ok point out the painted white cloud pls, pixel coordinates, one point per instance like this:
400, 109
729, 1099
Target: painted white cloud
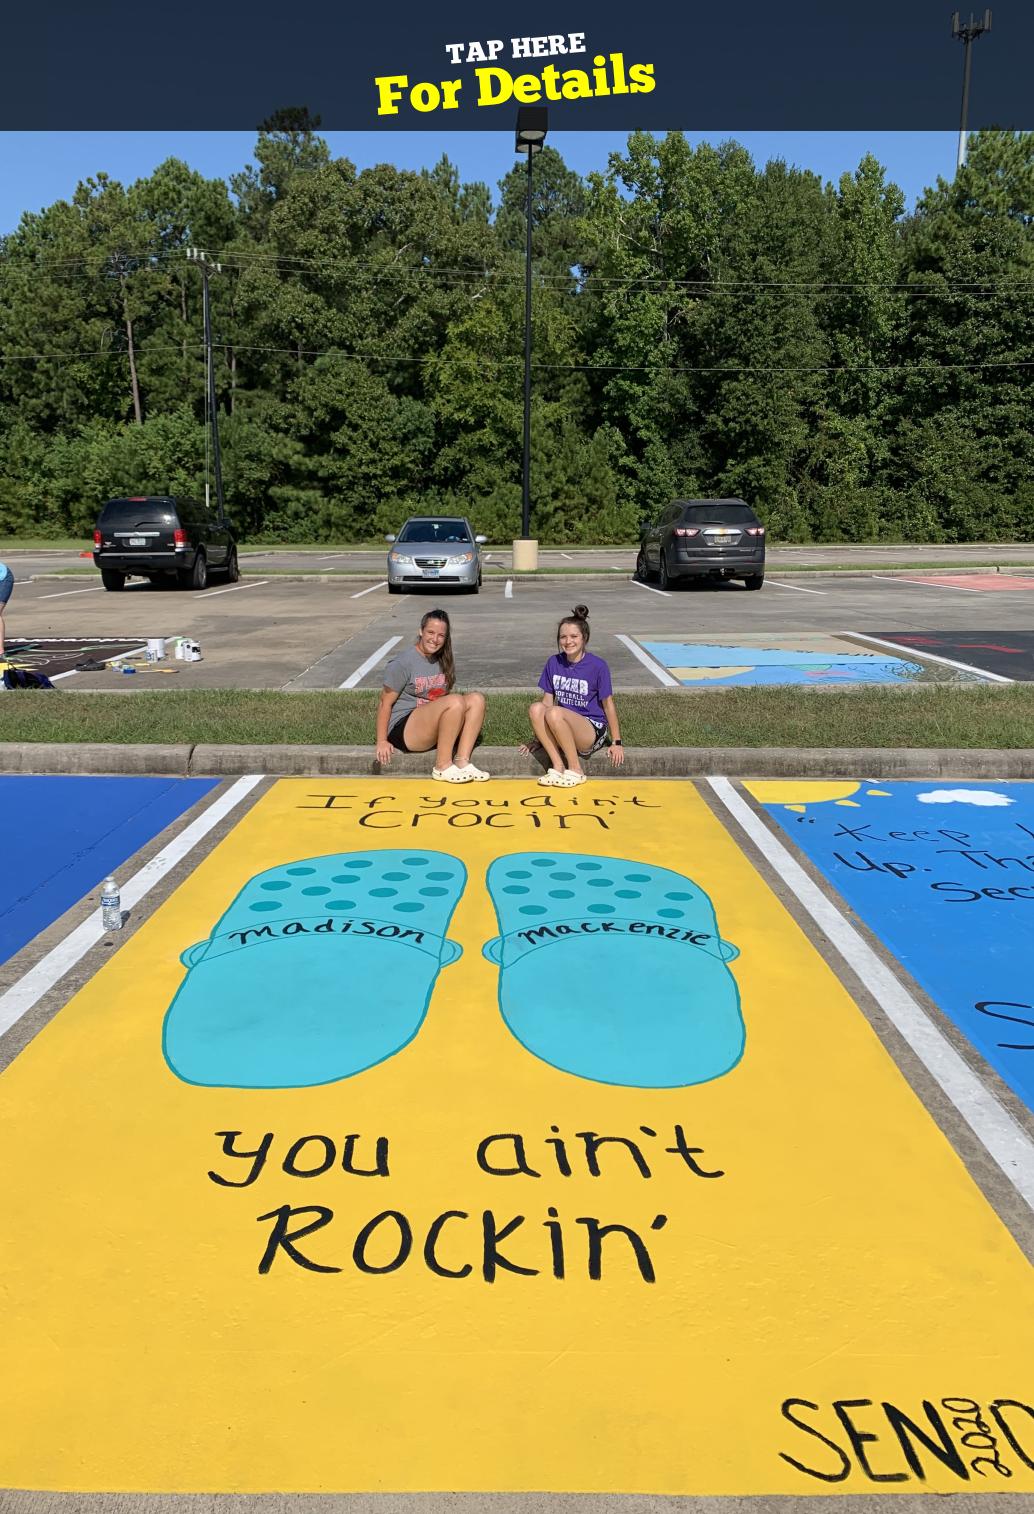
986, 798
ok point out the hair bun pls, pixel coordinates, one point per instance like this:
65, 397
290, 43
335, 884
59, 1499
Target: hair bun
581, 612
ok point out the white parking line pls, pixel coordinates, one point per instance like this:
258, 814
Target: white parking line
661, 674
797, 587
371, 662
115, 656
31, 987
369, 590
885, 578
924, 656
508, 591
640, 585
567, 555
214, 593
66, 592
1006, 1141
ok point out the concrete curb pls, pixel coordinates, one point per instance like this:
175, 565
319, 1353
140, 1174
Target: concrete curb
506, 762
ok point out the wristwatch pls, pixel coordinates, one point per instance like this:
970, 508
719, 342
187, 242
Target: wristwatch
617, 742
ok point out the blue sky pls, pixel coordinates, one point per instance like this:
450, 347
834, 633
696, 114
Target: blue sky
37, 168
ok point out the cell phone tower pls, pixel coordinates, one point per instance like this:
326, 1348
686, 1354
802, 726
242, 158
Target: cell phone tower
967, 32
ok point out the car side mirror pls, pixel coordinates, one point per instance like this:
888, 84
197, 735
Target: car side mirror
389, 538
481, 540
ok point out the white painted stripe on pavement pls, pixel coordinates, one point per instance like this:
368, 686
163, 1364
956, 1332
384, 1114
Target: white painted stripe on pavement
796, 587
31, 987
1006, 1141
115, 657
508, 591
915, 583
649, 588
369, 590
567, 555
925, 656
371, 662
64, 594
661, 674
214, 593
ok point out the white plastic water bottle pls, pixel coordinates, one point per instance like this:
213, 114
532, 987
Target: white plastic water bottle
111, 905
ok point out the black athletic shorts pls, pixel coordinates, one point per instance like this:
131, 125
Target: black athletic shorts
397, 734
600, 739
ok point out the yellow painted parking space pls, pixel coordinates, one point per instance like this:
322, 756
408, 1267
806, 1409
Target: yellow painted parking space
626, 1197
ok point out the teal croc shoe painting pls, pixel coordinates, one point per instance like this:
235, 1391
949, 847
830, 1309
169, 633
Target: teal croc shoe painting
614, 970
319, 969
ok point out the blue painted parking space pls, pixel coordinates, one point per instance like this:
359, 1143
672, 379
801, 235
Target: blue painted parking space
62, 836
943, 874
774, 659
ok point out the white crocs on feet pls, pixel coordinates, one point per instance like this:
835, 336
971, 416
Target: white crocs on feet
475, 775
451, 774
569, 779
551, 778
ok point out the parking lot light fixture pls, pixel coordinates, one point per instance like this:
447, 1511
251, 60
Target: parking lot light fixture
532, 125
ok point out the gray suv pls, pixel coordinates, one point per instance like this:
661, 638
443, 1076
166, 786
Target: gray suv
438, 549
703, 538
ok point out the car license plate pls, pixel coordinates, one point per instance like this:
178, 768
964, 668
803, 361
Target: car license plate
138, 541
431, 572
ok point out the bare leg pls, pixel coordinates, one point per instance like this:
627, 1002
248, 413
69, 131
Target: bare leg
539, 714
571, 733
473, 720
437, 724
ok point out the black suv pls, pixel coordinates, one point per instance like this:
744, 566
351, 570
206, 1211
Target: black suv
703, 538
157, 535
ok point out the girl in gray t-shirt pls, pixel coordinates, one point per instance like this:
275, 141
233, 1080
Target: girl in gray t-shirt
418, 709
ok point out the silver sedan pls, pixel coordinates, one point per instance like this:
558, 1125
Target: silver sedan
435, 549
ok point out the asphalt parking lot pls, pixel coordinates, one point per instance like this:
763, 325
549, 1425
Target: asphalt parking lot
280, 632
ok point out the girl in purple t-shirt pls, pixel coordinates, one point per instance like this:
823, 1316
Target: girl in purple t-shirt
576, 713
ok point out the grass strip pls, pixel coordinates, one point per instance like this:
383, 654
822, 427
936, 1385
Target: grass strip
997, 717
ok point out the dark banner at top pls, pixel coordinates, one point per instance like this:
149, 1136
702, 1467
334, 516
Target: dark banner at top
808, 65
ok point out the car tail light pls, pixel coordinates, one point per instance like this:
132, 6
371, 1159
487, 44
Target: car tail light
687, 530
755, 530
97, 539
179, 537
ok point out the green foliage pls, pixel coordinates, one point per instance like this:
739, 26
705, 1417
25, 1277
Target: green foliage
701, 326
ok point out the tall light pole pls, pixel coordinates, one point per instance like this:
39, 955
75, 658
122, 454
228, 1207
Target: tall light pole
200, 257
532, 125
967, 32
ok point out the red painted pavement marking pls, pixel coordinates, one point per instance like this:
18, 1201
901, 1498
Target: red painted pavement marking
991, 581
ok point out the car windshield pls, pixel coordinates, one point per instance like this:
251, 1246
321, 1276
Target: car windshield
443, 531
724, 512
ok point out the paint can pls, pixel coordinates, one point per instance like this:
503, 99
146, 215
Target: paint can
187, 650
156, 649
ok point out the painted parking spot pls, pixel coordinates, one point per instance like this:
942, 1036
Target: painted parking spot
806, 658
369, 1162
1010, 654
943, 874
63, 835
60, 654
994, 583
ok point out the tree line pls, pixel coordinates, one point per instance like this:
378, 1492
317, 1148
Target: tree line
702, 327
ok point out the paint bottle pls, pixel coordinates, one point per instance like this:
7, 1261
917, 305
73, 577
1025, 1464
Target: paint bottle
111, 905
